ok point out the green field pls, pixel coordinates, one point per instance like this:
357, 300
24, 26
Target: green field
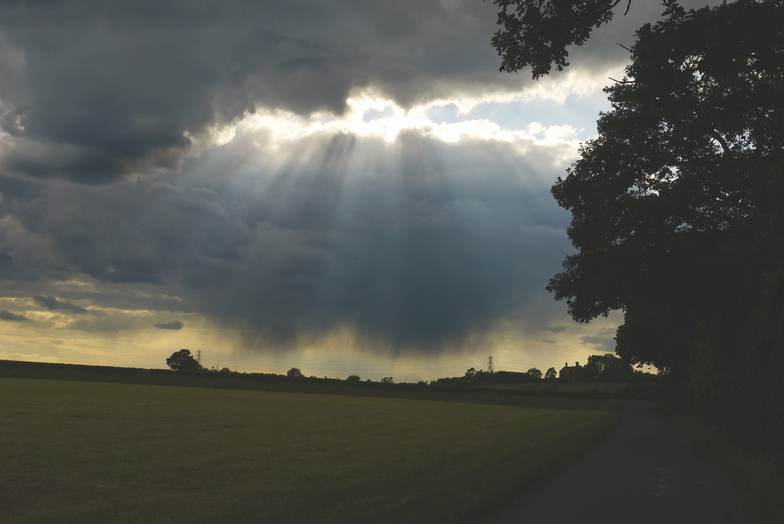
576, 387
106, 452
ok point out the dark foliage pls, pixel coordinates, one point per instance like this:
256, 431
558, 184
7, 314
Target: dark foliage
294, 373
678, 214
676, 206
537, 32
483, 378
182, 360
607, 367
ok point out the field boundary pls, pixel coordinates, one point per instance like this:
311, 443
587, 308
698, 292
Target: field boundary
281, 383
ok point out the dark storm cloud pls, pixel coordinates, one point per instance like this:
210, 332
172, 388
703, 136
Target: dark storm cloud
413, 245
603, 342
419, 256
11, 317
93, 89
176, 325
109, 323
51, 303
101, 88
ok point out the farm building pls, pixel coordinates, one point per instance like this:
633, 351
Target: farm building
571, 372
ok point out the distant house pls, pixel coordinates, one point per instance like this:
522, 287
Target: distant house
571, 372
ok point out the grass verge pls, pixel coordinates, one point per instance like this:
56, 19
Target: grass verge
758, 480
98, 452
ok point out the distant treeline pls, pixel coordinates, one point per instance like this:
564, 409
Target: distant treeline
441, 389
483, 378
600, 368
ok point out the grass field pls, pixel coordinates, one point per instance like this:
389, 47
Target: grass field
106, 452
576, 387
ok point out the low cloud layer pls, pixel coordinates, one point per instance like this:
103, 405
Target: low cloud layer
11, 317
176, 325
51, 303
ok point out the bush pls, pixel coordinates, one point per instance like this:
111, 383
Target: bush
182, 360
294, 373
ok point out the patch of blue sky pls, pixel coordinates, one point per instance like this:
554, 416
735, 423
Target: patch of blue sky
581, 113
445, 114
375, 114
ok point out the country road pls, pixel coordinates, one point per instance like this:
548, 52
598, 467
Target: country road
644, 472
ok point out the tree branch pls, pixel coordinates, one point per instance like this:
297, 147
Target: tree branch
720, 139
627, 6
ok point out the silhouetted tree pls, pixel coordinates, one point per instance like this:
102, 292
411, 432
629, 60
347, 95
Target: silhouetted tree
294, 373
551, 373
182, 360
387, 380
609, 366
353, 378
537, 32
677, 206
590, 371
535, 373
672, 207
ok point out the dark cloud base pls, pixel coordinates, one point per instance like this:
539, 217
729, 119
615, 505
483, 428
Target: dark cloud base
415, 245
176, 325
11, 317
51, 303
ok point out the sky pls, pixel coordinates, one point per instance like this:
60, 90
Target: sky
346, 187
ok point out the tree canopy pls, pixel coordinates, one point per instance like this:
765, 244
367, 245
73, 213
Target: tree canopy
537, 32
182, 360
607, 367
676, 206
294, 373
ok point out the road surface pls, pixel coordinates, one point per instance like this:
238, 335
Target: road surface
643, 472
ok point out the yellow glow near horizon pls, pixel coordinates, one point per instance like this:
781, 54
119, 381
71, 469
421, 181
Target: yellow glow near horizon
335, 354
